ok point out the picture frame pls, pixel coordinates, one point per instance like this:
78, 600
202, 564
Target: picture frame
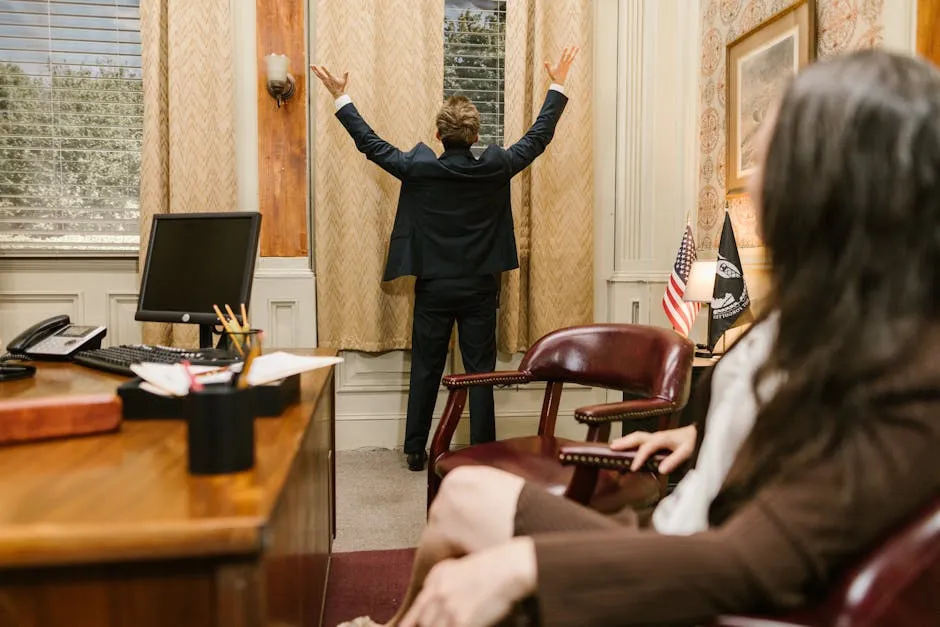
759, 65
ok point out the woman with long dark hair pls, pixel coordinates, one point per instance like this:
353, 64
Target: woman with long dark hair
824, 422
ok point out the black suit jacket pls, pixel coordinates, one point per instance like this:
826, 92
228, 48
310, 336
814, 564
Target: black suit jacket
454, 217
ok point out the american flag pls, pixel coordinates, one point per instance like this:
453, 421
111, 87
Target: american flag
680, 313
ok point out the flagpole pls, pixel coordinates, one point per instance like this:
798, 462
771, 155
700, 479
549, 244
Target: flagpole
708, 322
688, 223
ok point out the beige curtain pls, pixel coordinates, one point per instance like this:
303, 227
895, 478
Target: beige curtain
188, 153
552, 201
392, 50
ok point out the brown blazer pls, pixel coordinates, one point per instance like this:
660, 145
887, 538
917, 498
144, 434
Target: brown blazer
775, 551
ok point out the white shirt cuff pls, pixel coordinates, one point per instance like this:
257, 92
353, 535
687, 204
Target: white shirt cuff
342, 101
559, 88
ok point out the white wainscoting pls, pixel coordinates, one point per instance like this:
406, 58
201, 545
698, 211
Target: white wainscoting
372, 399
104, 291
122, 328
371, 404
22, 308
284, 302
90, 291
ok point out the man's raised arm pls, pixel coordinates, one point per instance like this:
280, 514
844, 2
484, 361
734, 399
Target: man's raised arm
376, 149
534, 142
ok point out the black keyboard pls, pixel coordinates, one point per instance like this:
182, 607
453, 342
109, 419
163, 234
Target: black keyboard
118, 359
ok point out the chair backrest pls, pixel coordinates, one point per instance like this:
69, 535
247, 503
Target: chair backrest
899, 582
895, 584
642, 360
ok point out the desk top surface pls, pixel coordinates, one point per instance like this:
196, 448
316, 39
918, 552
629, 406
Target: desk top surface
704, 362
128, 494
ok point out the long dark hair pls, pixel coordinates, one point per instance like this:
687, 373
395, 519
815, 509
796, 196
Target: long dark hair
850, 212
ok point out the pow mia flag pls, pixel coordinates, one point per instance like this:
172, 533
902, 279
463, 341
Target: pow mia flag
729, 298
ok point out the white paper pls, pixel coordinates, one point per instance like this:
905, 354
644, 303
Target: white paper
275, 366
149, 387
170, 378
173, 380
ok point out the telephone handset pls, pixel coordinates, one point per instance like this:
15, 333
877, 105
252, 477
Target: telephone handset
55, 338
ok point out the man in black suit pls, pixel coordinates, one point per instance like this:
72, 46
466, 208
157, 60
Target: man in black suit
453, 231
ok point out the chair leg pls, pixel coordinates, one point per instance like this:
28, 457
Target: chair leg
599, 433
434, 484
582, 486
550, 404
440, 443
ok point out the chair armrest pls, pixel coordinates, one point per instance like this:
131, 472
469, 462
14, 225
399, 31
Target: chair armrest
600, 455
506, 377
624, 410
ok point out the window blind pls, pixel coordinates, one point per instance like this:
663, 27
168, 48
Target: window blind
71, 122
474, 47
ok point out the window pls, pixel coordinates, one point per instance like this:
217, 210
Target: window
474, 47
71, 122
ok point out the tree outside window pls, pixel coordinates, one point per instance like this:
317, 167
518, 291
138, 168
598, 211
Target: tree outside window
71, 124
474, 47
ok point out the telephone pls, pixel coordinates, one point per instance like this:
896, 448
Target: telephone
55, 338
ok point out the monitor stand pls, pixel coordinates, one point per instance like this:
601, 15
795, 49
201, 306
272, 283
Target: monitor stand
205, 336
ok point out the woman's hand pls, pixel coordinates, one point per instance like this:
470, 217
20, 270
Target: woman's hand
681, 443
559, 73
477, 590
335, 86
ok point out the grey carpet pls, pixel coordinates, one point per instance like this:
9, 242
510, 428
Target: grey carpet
380, 504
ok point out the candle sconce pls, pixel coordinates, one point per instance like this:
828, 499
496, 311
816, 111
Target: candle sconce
280, 83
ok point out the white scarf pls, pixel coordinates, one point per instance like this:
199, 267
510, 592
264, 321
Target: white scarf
731, 415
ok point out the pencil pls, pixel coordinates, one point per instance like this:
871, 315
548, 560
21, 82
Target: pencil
245, 318
228, 330
240, 329
234, 320
221, 316
243, 377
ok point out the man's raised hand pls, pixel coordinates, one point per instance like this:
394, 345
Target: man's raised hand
335, 86
559, 72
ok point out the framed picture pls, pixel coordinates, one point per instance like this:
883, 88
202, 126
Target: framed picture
760, 63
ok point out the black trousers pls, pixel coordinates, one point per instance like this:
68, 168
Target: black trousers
471, 303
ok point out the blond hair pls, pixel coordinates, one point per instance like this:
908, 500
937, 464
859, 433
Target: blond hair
458, 122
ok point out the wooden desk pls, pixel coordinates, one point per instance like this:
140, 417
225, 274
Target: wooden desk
112, 531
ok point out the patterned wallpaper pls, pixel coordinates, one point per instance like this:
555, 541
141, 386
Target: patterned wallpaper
840, 25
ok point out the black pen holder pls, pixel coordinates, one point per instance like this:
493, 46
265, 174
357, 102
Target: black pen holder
220, 425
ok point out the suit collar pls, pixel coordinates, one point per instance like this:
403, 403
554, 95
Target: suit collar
452, 152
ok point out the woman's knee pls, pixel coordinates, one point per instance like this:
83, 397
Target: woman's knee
476, 506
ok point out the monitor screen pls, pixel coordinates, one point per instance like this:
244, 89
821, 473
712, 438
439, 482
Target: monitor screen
195, 261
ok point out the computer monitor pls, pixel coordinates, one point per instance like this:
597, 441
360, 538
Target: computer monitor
195, 261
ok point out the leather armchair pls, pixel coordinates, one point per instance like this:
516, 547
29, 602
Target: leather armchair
894, 583
650, 365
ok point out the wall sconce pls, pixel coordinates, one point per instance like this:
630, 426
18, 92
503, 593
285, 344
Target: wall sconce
280, 83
